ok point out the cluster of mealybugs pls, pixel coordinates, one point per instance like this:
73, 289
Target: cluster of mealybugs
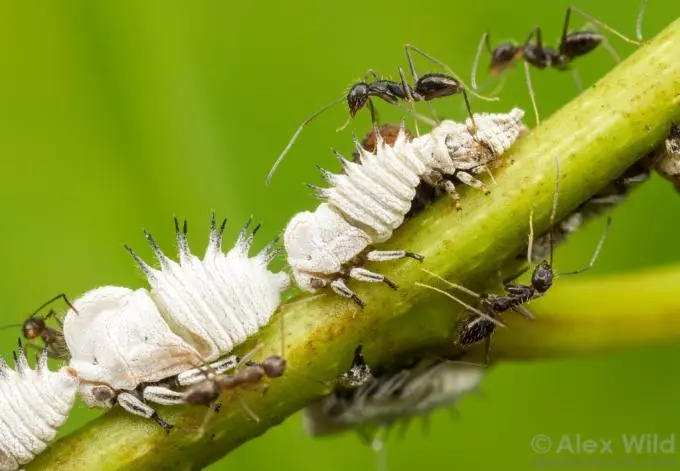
174, 343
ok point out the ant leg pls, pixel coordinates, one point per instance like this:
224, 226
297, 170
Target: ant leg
247, 409
374, 113
472, 181
362, 274
372, 74
462, 303
311, 118
530, 245
593, 259
487, 349
340, 287
409, 96
33, 346
523, 311
484, 40
638, 22
409, 47
385, 255
577, 79
602, 24
532, 95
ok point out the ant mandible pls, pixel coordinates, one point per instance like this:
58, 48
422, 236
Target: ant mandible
572, 45
481, 324
427, 87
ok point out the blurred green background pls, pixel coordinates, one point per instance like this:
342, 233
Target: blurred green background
118, 115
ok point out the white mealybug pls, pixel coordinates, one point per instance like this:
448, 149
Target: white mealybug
196, 313
381, 401
371, 198
34, 403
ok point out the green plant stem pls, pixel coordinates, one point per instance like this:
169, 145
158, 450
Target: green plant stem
595, 137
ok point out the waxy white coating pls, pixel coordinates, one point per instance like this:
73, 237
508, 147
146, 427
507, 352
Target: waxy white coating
34, 403
197, 311
369, 200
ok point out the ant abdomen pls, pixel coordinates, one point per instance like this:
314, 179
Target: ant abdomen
475, 329
433, 86
580, 43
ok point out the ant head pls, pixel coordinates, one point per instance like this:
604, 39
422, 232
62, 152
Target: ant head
274, 366
357, 97
431, 86
33, 327
358, 373
503, 56
542, 277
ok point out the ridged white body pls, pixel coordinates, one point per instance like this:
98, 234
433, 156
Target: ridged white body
366, 203
382, 401
34, 403
197, 311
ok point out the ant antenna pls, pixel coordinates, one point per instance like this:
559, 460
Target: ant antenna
638, 22
593, 259
297, 133
410, 47
553, 211
11, 326
50, 301
461, 302
602, 24
532, 95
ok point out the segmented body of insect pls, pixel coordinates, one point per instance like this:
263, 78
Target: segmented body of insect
572, 45
123, 341
34, 403
383, 400
371, 198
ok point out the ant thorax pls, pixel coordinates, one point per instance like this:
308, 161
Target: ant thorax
34, 403
382, 401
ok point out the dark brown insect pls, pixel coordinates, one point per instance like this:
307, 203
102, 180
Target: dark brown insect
535, 53
250, 377
36, 327
481, 324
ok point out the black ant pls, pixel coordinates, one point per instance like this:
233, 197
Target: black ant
481, 324
572, 45
427, 87
36, 327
